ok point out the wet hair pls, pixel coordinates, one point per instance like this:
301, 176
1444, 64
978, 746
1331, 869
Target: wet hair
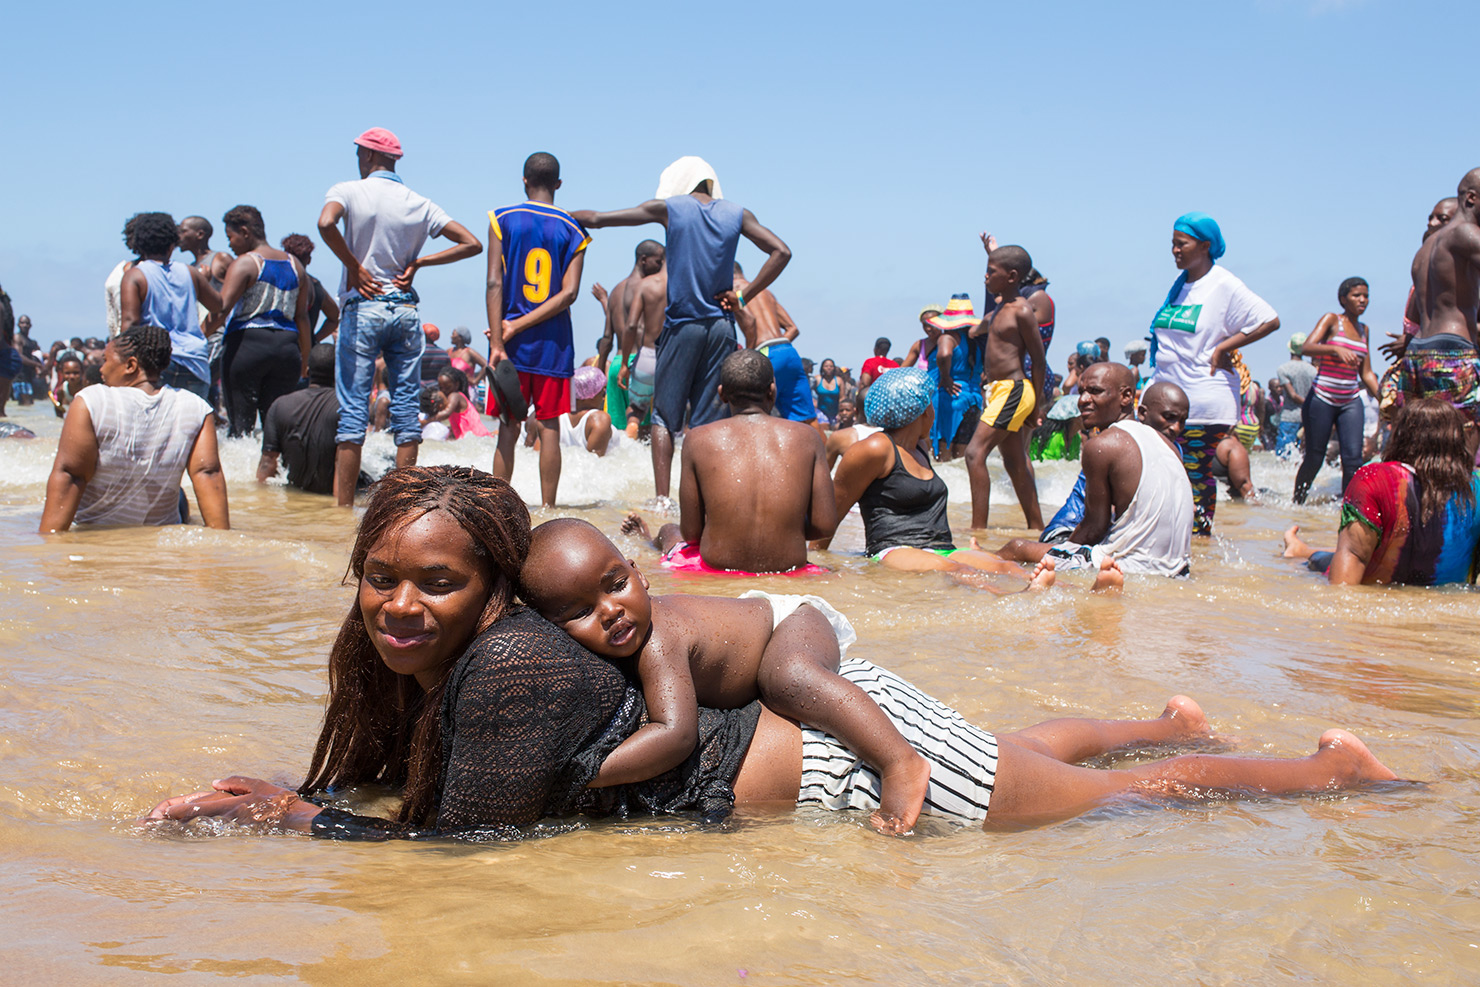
746, 375
151, 233
383, 727
92, 373
1347, 287
200, 223
150, 345
427, 399
881, 345
247, 219
1429, 435
458, 378
649, 248
1014, 258
541, 170
299, 246
321, 363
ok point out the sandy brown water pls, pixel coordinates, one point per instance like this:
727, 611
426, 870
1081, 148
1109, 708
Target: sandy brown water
143, 663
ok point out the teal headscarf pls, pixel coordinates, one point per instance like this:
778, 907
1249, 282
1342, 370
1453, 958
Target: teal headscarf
1201, 226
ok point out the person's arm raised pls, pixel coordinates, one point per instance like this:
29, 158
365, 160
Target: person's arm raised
570, 288
207, 479
464, 245
1354, 547
672, 730
778, 254
75, 463
356, 278
651, 211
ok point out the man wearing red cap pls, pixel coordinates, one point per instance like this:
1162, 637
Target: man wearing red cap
385, 226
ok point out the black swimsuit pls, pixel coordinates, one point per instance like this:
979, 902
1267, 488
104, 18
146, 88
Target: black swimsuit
903, 511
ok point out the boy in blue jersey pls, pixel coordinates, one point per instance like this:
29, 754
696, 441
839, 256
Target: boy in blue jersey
533, 277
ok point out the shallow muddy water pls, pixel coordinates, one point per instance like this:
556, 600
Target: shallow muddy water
143, 663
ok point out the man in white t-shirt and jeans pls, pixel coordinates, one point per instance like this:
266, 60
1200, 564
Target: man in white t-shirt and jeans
385, 226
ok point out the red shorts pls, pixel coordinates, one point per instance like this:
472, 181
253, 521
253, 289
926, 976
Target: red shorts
550, 397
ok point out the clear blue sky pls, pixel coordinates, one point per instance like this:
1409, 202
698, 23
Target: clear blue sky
878, 140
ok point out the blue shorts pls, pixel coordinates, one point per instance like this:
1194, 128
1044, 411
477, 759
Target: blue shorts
686, 384
793, 390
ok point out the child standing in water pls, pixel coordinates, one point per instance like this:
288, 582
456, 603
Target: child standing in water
716, 652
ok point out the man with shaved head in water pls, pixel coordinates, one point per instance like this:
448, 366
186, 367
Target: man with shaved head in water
1138, 501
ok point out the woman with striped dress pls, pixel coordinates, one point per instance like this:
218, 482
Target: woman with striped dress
1338, 346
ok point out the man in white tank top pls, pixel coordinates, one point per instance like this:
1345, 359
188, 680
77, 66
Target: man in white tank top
1137, 500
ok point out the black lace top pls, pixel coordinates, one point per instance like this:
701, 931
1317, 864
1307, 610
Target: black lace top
527, 719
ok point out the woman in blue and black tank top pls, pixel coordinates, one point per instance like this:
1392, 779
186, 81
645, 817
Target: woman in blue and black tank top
900, 496
267, 328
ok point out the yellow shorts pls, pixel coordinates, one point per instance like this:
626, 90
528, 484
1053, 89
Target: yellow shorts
1009, 403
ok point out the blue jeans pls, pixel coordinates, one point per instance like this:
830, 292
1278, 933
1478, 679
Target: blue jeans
388, 326
181, 379
1320, 419
1288, 442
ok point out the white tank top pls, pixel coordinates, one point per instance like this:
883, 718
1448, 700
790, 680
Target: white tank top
144, 444
1154, 535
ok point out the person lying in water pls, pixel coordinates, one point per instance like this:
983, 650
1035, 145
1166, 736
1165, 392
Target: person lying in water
1412, 518
486, 716
718, 652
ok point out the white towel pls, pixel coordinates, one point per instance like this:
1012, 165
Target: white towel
685, 175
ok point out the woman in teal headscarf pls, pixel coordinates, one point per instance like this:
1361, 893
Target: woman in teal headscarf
1207, 316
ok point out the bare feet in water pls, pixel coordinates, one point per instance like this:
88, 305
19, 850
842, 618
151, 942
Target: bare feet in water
901, 797
635, 525
1110, 578
1352, 762
1043, 575
1187, 715
1294, 546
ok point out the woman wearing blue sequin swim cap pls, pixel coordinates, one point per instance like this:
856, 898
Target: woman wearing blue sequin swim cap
1207, 315
901, 497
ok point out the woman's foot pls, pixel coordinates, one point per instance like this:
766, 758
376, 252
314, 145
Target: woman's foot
1110, 578
1187, 715
1350, 757
901, 797
635, 525
1043, 575
1293, 546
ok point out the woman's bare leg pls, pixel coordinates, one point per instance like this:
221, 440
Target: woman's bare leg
1073, 739
1033, 788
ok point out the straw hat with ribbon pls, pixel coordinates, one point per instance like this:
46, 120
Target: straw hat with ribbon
958, 314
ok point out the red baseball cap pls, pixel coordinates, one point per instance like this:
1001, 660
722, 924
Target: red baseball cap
382, 140
432, 332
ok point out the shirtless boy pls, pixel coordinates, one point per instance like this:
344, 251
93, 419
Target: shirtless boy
716, 652
647, 262
1012, 333
753, 489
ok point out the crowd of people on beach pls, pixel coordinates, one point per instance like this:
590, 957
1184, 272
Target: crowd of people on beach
502, 673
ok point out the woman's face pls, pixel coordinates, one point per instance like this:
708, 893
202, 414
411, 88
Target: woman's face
1356, 300
828, 368
70, 372
1186, 250
115, 368
422, 594
240, 241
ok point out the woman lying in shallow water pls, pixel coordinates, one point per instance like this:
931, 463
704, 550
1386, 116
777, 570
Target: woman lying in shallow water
487, 715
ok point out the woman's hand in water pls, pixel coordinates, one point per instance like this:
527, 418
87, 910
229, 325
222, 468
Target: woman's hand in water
244, 800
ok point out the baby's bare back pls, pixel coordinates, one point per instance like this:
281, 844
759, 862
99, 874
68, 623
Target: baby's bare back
755, 478
724, 640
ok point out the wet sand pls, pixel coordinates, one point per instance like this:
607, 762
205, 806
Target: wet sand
144, 663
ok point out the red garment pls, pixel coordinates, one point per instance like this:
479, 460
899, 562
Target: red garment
550, 397
876, 365
684, 557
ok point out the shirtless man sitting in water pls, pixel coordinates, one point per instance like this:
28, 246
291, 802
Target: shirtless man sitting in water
753, 489
716, 652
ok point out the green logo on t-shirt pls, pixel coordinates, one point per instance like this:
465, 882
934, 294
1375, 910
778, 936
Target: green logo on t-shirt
1182, 318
